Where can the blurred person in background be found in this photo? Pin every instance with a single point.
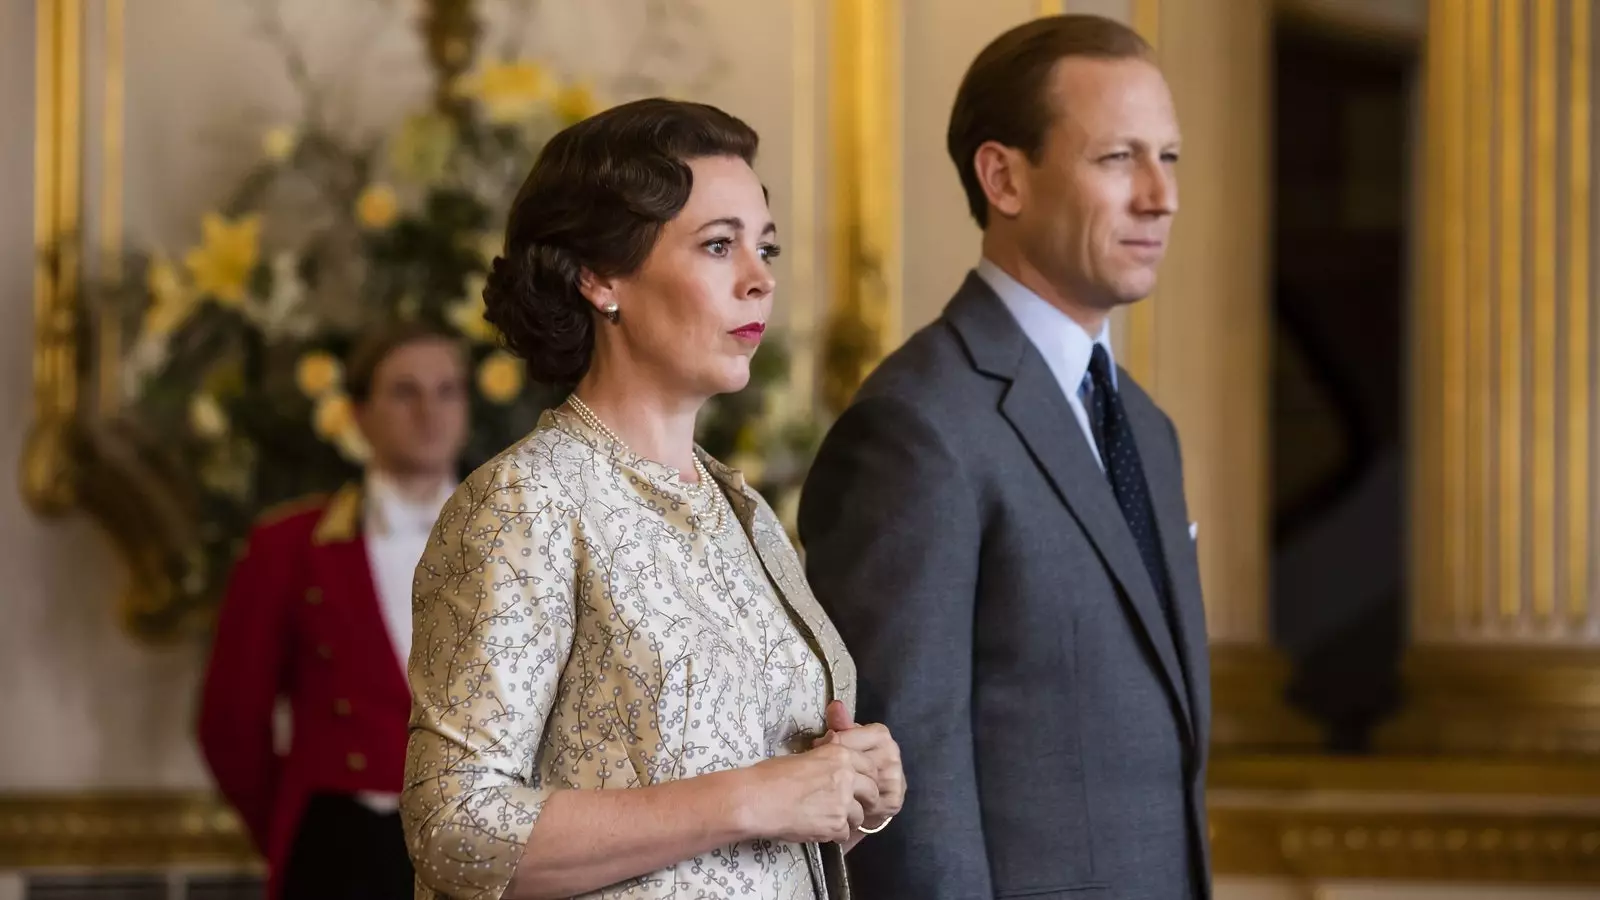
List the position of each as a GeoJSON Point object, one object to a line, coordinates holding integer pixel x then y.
{"type": "Point", "coordinates": [318, 615]}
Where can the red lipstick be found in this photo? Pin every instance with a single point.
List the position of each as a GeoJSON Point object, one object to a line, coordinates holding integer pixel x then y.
{"type": "Point", "coordinates": [751, 332]}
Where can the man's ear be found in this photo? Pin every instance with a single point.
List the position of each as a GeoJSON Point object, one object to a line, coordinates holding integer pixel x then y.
{"type": "Point", "coordinates": [1002, 173]}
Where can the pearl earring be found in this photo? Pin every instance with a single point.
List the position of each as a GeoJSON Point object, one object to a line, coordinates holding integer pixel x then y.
{"type": "Point", "coordinates": [611, 312]}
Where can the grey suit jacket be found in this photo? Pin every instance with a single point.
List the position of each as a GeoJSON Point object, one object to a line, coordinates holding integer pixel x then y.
{"type": "Point", "coordinates": [1052, 723]}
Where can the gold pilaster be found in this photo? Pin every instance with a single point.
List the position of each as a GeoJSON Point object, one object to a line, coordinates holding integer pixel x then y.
{"type": "Point", "coordinates": [864, 49]}
{"type": "Point", "coordinates": [1510, 227]}
{"type": "Point", "coordinates": [47, 482]}
{"type": "Point", "coordinates": [1471, 598]}
{"type": "Point", "coordinates": [1580, 381]}
{"type": "Point", "coordinates": [1504, 659]}
{"type": "Point", "coordinates": [805, 308]}
{"type": "Point", "coordinates": [109, 215]}
{"type": "Point", "coordinates": [1543, 360]}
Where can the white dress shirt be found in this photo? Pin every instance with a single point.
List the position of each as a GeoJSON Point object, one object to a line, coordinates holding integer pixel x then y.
{"type": "Point", "coordinates": [1064, 344]}
{"type": "Point", "coordinates": [396, 531]}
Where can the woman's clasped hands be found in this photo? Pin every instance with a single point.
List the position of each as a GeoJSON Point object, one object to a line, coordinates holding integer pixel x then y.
{"type": "Point", "coordinates": [850, 783]}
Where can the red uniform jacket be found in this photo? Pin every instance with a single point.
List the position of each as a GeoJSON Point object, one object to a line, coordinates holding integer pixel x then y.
{"type": "Point", "coordinates": [301, 620]}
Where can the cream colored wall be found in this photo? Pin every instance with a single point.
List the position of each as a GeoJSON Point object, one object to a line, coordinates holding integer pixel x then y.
{"type": "Point", "coordinates": [940, 238]}
{"type": "Point", "coordinates": [83, 706]}
{"type": "Point", "coordinates": [1211, 309]}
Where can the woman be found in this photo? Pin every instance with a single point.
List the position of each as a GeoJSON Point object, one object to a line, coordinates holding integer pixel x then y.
{"type": "Point", "coordinates": [605, 606]}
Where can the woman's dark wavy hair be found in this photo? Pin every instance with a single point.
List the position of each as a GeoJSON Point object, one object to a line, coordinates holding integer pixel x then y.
{"type": "Point", "coordinates": [596, 200]}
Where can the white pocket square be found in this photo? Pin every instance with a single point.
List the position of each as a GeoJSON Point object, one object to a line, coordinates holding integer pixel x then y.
{"type": "Point", "coordinates": [1194, 531]}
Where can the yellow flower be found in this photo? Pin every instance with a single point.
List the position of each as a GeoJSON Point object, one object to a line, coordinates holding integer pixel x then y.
{"type": "Point", "coordinates": [485, 245]}
{"type": "Point", "coordinates": [466, 314]}
{"type": "Point", "coordinates": [333, 416]}
{"type": "Point", "coordinates": [575, 103]}
{"type": "Point", "coordinates": [171, 301]}
{"type": "Point", "coordinates": [352, 444]}
{"type": "Point", "coordinates": [278, 143]}
{"type": "Point", "coordinates": [421, 149]}
{"type": "Point", "coordinates": [317, 373]}
{"type": "Point", "coordinates": [749, 465]}
{"type": "Point", "coordinates": [747, 440]}
{"type": "Point", "coordinates": [500, 378]}
{"type": "Point", "coordinates": [206, 417]}
{"type": "Point", "coordinates": [227, 254]}
{"type": "Point", "coordinates": [378, 206]}
{"type": "Point", "coordinates": [508, 91]}
{"type": "Point", "coordinates": [229, 468]}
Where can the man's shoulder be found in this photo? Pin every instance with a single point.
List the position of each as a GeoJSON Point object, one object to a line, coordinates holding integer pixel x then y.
{"type": "Point", "coordinates": [285, 529]}
{"type": "Point", "coordinates": [925, 368]}
{"type": "Point", "coordinates": [290, 516]}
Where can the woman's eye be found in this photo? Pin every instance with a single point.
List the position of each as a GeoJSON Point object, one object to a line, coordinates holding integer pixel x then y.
{"type": "Point", "coordinates": [770, 252]}
{"type": "Point", "coordinates": [719, 247]}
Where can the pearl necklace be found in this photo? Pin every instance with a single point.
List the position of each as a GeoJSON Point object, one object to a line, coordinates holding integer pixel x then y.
{"type": "Point", "coordinates": [706, 488]}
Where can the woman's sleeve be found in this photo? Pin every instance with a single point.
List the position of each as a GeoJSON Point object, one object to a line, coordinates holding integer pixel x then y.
{"type": "Point", "coordinates": [493, 611]}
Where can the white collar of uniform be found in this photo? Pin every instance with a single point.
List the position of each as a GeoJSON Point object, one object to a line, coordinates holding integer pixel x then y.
{"type": "Point", "coordinates": [388, 511]}
{"type": "Point", "coordinates": [1065, 345]}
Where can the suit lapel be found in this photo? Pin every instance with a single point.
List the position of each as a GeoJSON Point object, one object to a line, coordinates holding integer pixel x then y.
{"type": "Point", "coordinates": [1166, 494]}
{"type": "Point", "coordinates": [1043, 419]}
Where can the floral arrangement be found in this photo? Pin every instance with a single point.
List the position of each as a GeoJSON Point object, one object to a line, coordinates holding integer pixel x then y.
{"type": "Point", "coordinates": [234, 345]}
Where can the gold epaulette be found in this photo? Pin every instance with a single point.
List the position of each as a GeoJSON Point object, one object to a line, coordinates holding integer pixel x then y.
{"type": "Point", "coordinates": [341, 518]}
{"type": "Point", "coordinates": [277, 512]}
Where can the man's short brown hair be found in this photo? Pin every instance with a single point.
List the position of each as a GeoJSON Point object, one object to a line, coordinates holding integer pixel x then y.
{"type": "Point", "coordinates": [1005, 95]}
{"type": "Point", "coordinates": [377, 346]}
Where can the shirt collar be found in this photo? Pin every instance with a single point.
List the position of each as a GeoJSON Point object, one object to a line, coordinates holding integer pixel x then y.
{"type": "Point", "coordinates": [389, 512]}
{"type": "Point", "coordinates": [1065, 345]}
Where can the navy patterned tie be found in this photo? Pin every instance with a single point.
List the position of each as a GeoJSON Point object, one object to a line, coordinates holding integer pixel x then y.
{"type": "Point", "coordinates": [1120, 457]}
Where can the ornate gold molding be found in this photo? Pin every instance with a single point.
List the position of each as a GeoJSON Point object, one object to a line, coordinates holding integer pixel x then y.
{"type": "Point", "coordinates": [1427, 819]}
{"type": "Point", "coordinates": [1485, 847]}
{"type": "Point", "coordinates": [47, 472]}
{"type": "Point", "coordinates": [74, 459]}
{"type": "Point", "coordinates": [1249, 710]}
{"type": "Point", "coordinates": [1498, 700]}
{"type": "Point", "coordinates": [121, 830]}
{"type": "Point", "coordinates": [865, 171]}
{"type": "Point", "coordinates": [1303, 817]}
{"type": "Point", "coordinates": [1503, 496]}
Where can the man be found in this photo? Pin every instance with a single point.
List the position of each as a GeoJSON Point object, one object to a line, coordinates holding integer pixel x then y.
{"type": "Point", "coordinates": [318, 613]}
{"type": "Point", "coordinates": [997, 524]}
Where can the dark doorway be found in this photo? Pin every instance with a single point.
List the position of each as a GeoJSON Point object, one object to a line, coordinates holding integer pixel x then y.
{"type": "Point", "coordinates": [1343, 133]}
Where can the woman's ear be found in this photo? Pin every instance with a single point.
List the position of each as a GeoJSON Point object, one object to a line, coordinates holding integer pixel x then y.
{"type": "Point", "coordinates": [600, 292]}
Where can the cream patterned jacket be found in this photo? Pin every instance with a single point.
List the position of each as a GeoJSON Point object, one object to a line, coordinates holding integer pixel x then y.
{"type": "Point", "coordinates": [576, 629]}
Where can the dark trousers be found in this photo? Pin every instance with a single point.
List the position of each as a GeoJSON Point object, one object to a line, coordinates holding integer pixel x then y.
{"type": "Point", "coordinates": [347, 851]}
